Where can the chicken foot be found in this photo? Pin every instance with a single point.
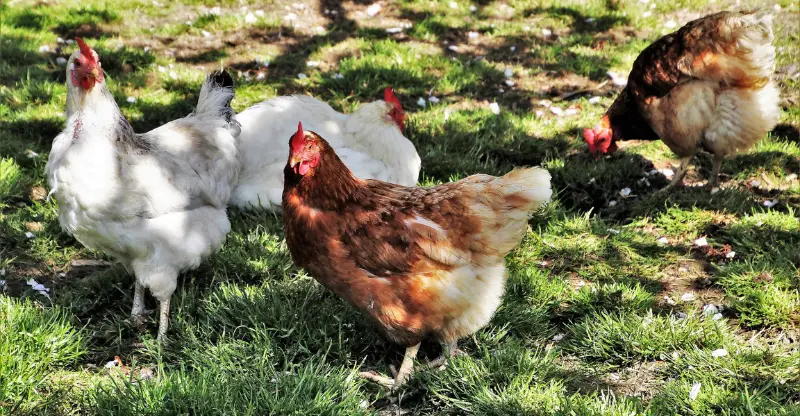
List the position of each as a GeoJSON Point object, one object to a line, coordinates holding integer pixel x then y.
{"type": "Point", "coordinates": [406, 368]}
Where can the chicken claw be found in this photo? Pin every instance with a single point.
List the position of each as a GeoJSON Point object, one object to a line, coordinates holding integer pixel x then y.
{"type": "Point", "coordinates": [406, 369]}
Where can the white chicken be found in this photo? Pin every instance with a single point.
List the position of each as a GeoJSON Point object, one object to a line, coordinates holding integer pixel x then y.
{"type": "Point", "coordinates": [369, 141]}
{"type": "Point", "coordinates": [156, 201]}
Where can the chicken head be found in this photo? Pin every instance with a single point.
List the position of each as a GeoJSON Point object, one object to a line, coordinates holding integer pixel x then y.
{"type": "Point", "coordinates": [600, 138]}
{"type": "Point", "coordinates": [304, 152]}
{"type": "Point", "coordinates": [84, 67]}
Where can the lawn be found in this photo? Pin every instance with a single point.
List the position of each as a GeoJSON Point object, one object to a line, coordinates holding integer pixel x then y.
{"type": "Point", "coordinates": [619, 301]}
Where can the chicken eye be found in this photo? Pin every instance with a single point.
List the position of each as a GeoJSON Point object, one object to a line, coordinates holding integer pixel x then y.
{"type": "Point", "coordinates": [77, 63]}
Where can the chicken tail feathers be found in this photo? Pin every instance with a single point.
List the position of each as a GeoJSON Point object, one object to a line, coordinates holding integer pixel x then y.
{"type": "Point", "coordinates": [526, 189]}
{"type": "Point", "coordinates": [215, 99]}
{"type": "Point", "coordinates": [513, 198]}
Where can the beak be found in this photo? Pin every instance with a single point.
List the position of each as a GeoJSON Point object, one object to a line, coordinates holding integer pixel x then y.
{"type": "Point", "coordinates": [95, 73]}
{"type": "Point", "coordinates": [293, 161]}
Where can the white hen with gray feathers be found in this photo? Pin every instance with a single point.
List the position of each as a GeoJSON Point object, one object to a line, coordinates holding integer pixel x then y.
{"type": "Point", "coordinates": [156, 201]}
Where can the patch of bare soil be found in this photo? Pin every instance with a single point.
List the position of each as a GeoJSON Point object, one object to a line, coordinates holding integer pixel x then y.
{"type": "Point", "coordinates": [690, 276]}
{"type": "Point", "coordinates": [639, 380]}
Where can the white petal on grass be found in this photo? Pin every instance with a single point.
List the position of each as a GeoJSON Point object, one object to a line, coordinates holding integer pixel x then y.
{"type": "Point", "coordinates": [312, 64]}
{"type": "Point", "coordinates": [671, 24]}
{"type": "Point", "coordinates": [338, 76]}
{"type": "Point", "coordinates": [205, 33]}
{"type": "Point", "coordinates": [688, 297]}
{"type": "Point", "coordinates": [37, 286]}
{"type": "Point", "coordinates": [509, 82]}
{"type": "Point", "coordinates": [594, 100]}
{"type": "Point", "coordinates": [513, 48]}
{"type": "Point", "coordinates": [700, 242]}
{"type": "Point", "coordinates": [625, 191]}
{"type": "Point", "coordinates": [770, 203]}
{"type": "Point", "coordinates": [393, 30]}
{"type": "Point", "coordinates": [131, 100]}
{"type": "Point", "coordinates": [250, 18]}
{"type": "Point", "coordinates": [527, 28]}
{"type": "Point", "coordinates": [730, 254]}
{"type": "Point", "coordinates": [44, 48]}
{"type": "Point", "coordinates": [547, 32]}
{"type": "Point", "coordinates": [473, 35]}
{"type": "Point", "coordinates": [571, 111]}
{"type": "Point", "coordinates": [290, 17]}
{"type": "Point", "coordinates": [694, 391]}
{"type": "Point", "coordinates": [613, 231]}
{"type": "Point", "coordinates": [453, 5]}
{"type": "Point", "coordinates": [669, 300]}
{"type": "Point", "coordinates": [716, 317]}
{"type": "Point", "coordinates": [111, 364]}
{"type": "Point", "coordinates": [29, 235]}
{"type": "Point", "coordinates": [663, 241]}
{"type": "Point", "coordinates": [590, 20]}
{"type": "Point", "coordinates": [647, 14]}
{"type": "Point", "coordinates": [612, 203]}
{"type": "Point", "coordinates": [558, 337]}
{"type": "Point", "coordinates": [472, 8]}
{"type": "Point", "coordinates": [556, 110]}
{"type": "Point", "coordinates": [495, 108]}
{"type": "Point", "coordinates": [421, 102]}
{"type": "Point", "coordinates": [539, 113]}
{"type": "Point", "coordinates": [447, 113]}
{"type": "Point", "coordinates": [667, 172]}
{"type": "Point", "coordinates": [508, 72]}
{"type": "Point", "coordinates": [433, 99]}
{"type": "Point", "coordinates": [302, 76]}
{"type": "Point", "coordinates": [719, 353]}
{"type": "Point", "coordinates": [61, 61]}
{"type": "Point", "coordinates": [373, 9]}
{"type": "Point", "coordinates": [710, 310]}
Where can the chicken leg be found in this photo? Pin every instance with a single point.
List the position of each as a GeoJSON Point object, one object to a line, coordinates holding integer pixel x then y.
{"type": "Point", "coordinates": [713, 180]}
{"type": "Point", "coordinates": [448, 351]}
{"type": "Point", "coordinates": [137, 312]}
{"type": "Point", "coordinates": [406, 368]}
{"type": "Point", "coordinates": [678, 178]}
{"type": "Point", "coordinates": [163, 319]}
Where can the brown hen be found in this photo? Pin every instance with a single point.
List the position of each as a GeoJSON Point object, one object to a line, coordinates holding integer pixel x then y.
{"type": "Point", "coordinates": [707, 86]}
{"type": "Point", "coordinates": [420, 262]}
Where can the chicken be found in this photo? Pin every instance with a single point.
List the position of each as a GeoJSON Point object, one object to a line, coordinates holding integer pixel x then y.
{"type": "Point", "coordinates": [370, 142]}
{"type": "Point", "coordinates": [155, 202]}
{"type": "Point", "coordinates": [707, 86]}
{"type": "Point", "coordinates": [420, 262]}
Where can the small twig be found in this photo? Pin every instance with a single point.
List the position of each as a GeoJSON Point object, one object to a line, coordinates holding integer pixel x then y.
{"type": "Point", "coordinates": [573, 93]}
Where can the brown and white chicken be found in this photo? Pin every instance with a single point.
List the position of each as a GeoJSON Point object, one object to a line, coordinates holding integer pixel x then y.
{"type": "Point", "coordinates": [156, 201]}
{"type": "Point", "coordinates": [420, 262]}
{"type": "Point", "coordinates": [706, 86]}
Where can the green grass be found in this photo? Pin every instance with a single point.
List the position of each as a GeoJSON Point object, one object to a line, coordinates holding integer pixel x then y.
{"type": "Point", "coordinates": [593, 321]}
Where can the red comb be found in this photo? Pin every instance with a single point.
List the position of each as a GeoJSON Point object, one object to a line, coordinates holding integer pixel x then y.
{"type": "Point", "coordinates": [389, 97]}
{"type": "Point", "coordinates": [85, 49]}
{"type": "Point", "coordinates": [297, 138]}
